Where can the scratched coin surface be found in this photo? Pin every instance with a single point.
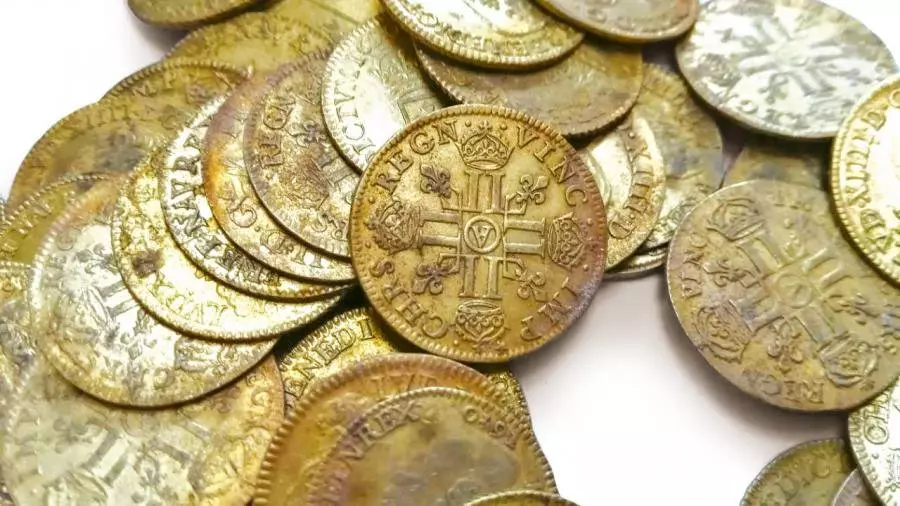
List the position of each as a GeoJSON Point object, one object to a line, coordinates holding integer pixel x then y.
{"type": "Point", "coordinates": [511, 34]}
{"type": "Point", "coordinates": [864, 165]}
{"type": "Point", "coordinates": [259, 40]}
{"type": "Point", "coordinates": [809, 473]}
{"type": "Point", "coordinates": [22, 230]}
{"type": "Point", "coordinates": [803, 164]}
{"type": "Point", "coordinates": [295, 168]}
{"type": "Point", "coordinates": [791, 68]}
{"type": "Point", "coordinates": [237, 208]}
{"type": "Point", "coordinates": [633, 21]}
{"type": "Point", "coordinates": [64, 447]}
{"type": "Point", "coordinates": [332, 403]}
{"type": "Point", "coordinates": [17, 347]}
{"type": "Point", "coordinates": [174, 290]}
{"type": "Point", "coordinates": [778, 303]}
{"type": "Point", "coordinates": [633, 168]}
{"type": "Point", "coordinates": [198, 80]}
{"type": "Point", "coordinates": [443, 443]}
{"type": "Point", "coordinates": [689, 142]}
{"type": "Point", "coordinates": [335, 17]}
{"type": "Point", "coordinates": [468, 207]}
{"type": "Point", "coordinates": [373, 88]}
{"type": "Point", "coordinates": [196, 231]}
{"type": "Point", "coordinates": [522, 498]}
{"type": "Point", "coordinates": [854, 492]}
{"type": "Point", "coordinates": [186, 13]}
{"type": "Point", "coordinates": [587, 91]}
{"type": "Point", "coordinates": [874, 431]}
{"type": "Point", "coordinates": [641, 263]}
{"type": "Point", "coordinates": [92, 330]}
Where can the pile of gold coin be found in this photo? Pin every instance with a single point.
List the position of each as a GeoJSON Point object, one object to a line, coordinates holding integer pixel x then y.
{"type": "Point", "coordinates": [256, 270]}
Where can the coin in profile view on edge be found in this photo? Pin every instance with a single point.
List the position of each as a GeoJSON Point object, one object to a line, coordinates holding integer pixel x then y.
{"type": "Point", "coordinates": [522, 498]}
{"type": "Point", "coordinates": [186, 14]}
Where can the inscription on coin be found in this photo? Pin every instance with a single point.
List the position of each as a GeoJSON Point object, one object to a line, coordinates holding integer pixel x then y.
{"type": "Point", "coordinates": [874, 432]}
{"type": "Point", "coordinates": [810, 473]}
{"type": "Point", "coordinates": [17, 348]}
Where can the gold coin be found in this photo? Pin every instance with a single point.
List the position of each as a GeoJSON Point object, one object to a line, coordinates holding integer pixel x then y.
{"type": "Point", "coordinates": [512, 34]}
{"type": "Point", "coordinates": [186, 14]}
{"type": "Point", "coordinates": [373, 88]}
{"type": "Point", "coordinates": [199, 80]}
{"type": "Point", "coordinates": [803, 164]}
{"type": "Point", "coordinates": [165, 281]}
{"type": "Point", "coordinates": [854, 492]}
{"type": "Point", "coordinates": [293, 165]}
{"type": "Point", "coordinates": [522, 498]}
{"type": "Point", "coordinates": [639, 22]}
{"type": "Point", "coordinates": [236, 206]}
{"type": "Point", "coordinates": [440, 442]}
{"type": "Point", "coordinates": [632, 166]}
{"type": "Point", "coordinates": [590, 89]}
{"type": "Point", "coordinates": [468, 207]}
{"type": "Point", "coordinates": [792, 68]}
{"type": "Point", "coordinates": [335, 17]}
{"type": "Point", "coordinates": [259, 40]}
{"type": "Point", "coordinates": [16, 344]}
{"type": "Point", "coordinates": [864, 185]}
{"type": "Point", "coordinates": [22, 231]}
{"type": "Point", "coordinates": [690, 144]}
{"type": "Point", "coordinates": [643, 262]}
{"type": "Point", "coordinates": [93, 331]}
{"type": "Point", "coordinates": [196, 231]}
{"type": "Point", "coordinates": [809, 473]}
{"type": "Point", "coordinates": [64, 447]}
{"type": "Point", "coordinates": [874, 431]}
{"type": "Point", "coordinates": [778, 303]}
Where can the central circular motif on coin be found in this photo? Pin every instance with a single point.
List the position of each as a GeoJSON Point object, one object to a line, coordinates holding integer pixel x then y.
{"type": "Point", "coordinates": [481, 235]}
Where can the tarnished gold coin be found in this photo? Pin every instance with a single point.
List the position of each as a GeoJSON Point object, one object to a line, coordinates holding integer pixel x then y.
{"type": "Point", "coordinates": [92, 330]}
{"type": "Point", "coordinates": [522, 498]}
{"type": "Point", "coordinates": [792, 68]}
{"type": "Point", "coordinates": [236, 206]}
{"type": "Point", "coordinates": [874, 432]}
{"type": "Point", "coordinates": [64, 447]}
{"type": "Point", "coordinates": [587, 91]}
{"type": "Point", "coordinates": [17, 348]}
{"type": "Point", "coordinates": [864, 184]}
{"type": "Point", "coordinates": [259, 40]}
{"type": "Point", "coordinates": [512, 34]}
{"type": "Point", "coordinates": [468, 207]}
{"type": "Point", "coordinates": [200, 79]}
{"type": "Point", "coordinates": [641, 263]}
{"type": "Point", "coordinates": [373, 88]}
{"type": "Point", "coordinates": [22, 230]}
{"type": "Point", "coordinates": [335, 17]}
{"type": "Point", "coordinates": [689, 142]}
{"type": "Point", "coordinates": [854, 492]}
{"type": "Point", "coordinates": [633, 168]}
{"type": "Point", "coordinates": [804, 164]}
{"type": "Point", "coordinates": [165, 281]}
{"type": "Point", "coordinates": [333, 402]}
{"type": "Point", "coordinates": [186, 13]}
{"type": "Point", "coordinates": [778, 303]}
{"type": "Point", "coordinates": [196, 231]}
{"type": "Point", "coordinates": [441, 442]}
{"type": "Point", "coordinates": [293, 165]}
{"type": "Point", "coordinates": [809, 473]}
{"type": "Point", "coordinates": [633, 21]}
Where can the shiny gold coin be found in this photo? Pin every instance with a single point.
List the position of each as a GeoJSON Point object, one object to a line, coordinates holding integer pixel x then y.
{"type": "Point", "coordinates": [186, 13]}
{"type": "Point", "coordinates": [864, 184]}
{"type": "Point", "coordinates": [92, 330]}
{"type": "Point", "coordinates": [64, 447]}
{"type": "Point", "coordinates": [468, 207]}
{"type": "Point", "coordinates": [165, 281]}
{"type": "Point", "coordinates": [335, 17]}
{"type": "Point", "coordinates": [587, 91]}
{"type": "Point", "coordinates": [441, 442]}
{"type": "Point", "coordinates": [522, 498]}
{"type": "Point", "coordinates": [874, 432]}
{"type": "Point", "coordinates": [333, 402]}
{"type": "Point", "coordinates": [778, 303]}
{"type": "Point", "coordinates": [16, 343]}
{"type": "Point", "coordinates": [690, 144]}
{"type": "Point", "coordinates": [641, 21]}
{"type": "Point", "coordinates": [259, 40]}
{"type": "Point", "coordinates": [792, 68]}
{"type": "Point", "coordinates": [200, 79]}
{"type": "Point", "coordinates": [196, 231]}
{"type": "Point", "coordinates": [113, 135]}
{"type": "Point", "coordinates": [641, 263]}
{"type": "Point", "coordinates": [513, 34]}
{"type": "Point", "coordinates": [22, 231]}
{"type": "Point", "coordinates": [854, 492]}
{"type": "Point", "coordinates": [373, 88]}
{"type": "Point", "coordinates": [236, 206]}
{"type": "Point", "coordinates": [633, 168]}
{"type": "Point", "coordinates": [797, 163]}
{"type": "Point", "coordinates": [293, 165]}
{"type": "Point", "coordinates": [809, 473]}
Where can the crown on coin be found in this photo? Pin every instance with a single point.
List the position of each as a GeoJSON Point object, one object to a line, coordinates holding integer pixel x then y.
{"type": "Point", "coordinates": [483, 150]}
{"type": "Point", "coordinates": [736, 218]}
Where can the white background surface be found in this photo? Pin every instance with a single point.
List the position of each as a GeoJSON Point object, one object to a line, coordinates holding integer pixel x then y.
{"type": "Point", "coordinates": [626, 410]}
